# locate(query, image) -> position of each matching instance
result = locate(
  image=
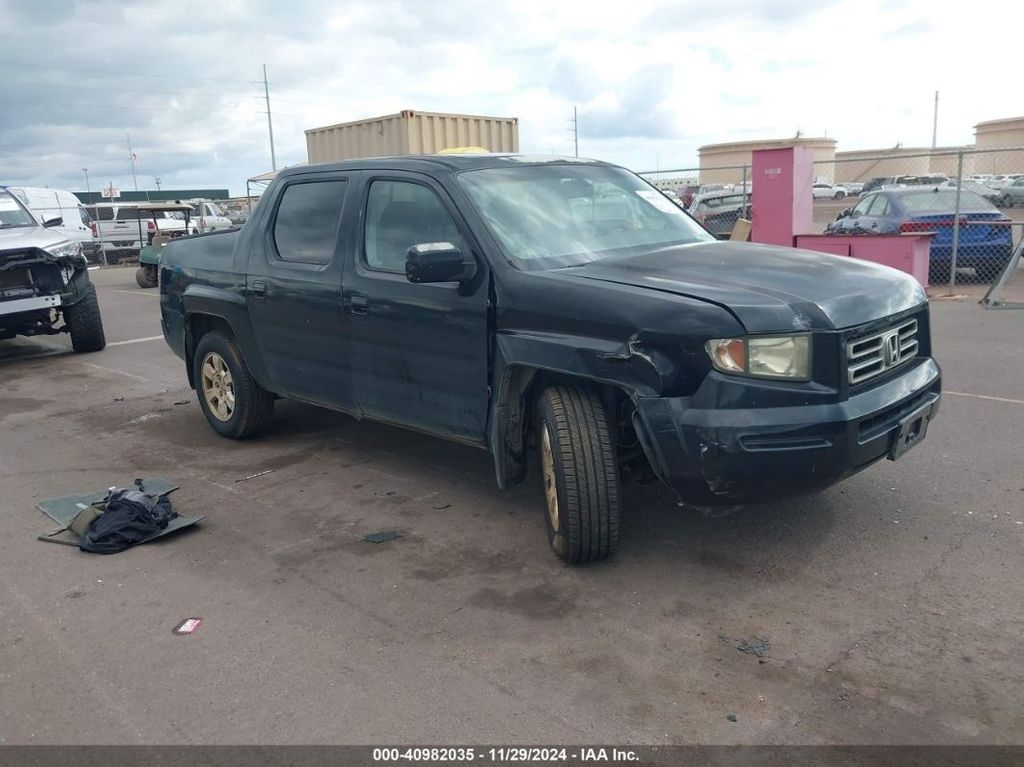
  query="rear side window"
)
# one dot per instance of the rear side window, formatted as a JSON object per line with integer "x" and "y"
{"x": 306, "y": 228}
{"x": 880, "y": 206}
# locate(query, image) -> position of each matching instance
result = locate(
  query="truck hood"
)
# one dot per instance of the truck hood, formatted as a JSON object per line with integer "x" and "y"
{"x": 767, "y": 288}
{"x": 19, "y": 237}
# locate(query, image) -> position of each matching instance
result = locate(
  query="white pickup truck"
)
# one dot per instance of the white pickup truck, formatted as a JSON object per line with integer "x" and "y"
{"x": 207, "y": 216}
{"x": 122, "y": 229}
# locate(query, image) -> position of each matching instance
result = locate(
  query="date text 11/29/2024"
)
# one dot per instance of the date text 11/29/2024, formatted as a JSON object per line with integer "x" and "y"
{"x": 505, "y": 754}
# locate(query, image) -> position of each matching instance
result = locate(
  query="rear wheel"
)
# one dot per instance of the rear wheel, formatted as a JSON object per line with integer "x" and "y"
{"x": 146, "y": 276}
{"x": 579, "y": 472}
{"x": 233, "y": 403}
{"x": 840, "y": 195}
{"x": 85, "y": 323}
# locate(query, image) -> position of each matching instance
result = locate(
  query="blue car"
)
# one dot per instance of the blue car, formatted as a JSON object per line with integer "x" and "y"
{"x": 986, "y": 241}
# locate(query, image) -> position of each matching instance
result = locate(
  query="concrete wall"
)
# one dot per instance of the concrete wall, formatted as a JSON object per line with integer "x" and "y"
{"x": 998, "y": 134}
{"x": 722, "y": 163}
{"x": 866, "y": 164}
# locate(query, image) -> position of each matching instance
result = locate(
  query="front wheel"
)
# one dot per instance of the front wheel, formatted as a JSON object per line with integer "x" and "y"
{"x": 840, "y": 195}
{"x": 85, "y": 323}
{"x": 233, "y": 403}
{"x": 146, "y": 276}
{"x": 580, "y": 475}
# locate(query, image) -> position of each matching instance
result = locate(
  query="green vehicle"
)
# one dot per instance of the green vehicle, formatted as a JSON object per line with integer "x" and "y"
{"x": 162, "y": 230}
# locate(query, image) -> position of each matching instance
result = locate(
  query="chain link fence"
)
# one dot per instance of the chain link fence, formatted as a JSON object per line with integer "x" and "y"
{"x": 113, "y": 234}
{"x": 971, "y": 201}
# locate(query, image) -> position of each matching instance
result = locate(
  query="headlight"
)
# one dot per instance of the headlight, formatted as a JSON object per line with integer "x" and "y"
{"x": 67, "y": 248}
{"x": 785, "y": 357}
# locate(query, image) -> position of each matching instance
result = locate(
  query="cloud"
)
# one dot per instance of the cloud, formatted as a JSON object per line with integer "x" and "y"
{"x": 639, "y": 111}
{"x": 653, "y": 79}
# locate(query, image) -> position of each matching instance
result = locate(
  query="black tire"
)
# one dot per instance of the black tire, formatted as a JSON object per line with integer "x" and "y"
{"x": 146, "y": 276}
{"x": 583, "y": 474}
{"x": 85, "y": 323}
{"x": 249, "y": 408}
{"x": 840, "y": 195}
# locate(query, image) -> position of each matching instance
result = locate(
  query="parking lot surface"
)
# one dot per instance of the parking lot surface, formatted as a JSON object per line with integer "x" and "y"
{"x": 886, "y": 610}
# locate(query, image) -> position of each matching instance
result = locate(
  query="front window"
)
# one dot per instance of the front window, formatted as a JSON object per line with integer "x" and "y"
{"x": 551, "y": 216}
{"x": 12, "y": 213}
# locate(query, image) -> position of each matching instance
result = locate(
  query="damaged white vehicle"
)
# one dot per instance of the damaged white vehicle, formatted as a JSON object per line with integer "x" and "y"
{"x": 44, "y": 281}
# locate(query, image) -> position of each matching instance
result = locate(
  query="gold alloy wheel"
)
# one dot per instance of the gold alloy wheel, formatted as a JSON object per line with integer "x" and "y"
{"x": 218, "y": 386}
{"x": 550, "y": 486}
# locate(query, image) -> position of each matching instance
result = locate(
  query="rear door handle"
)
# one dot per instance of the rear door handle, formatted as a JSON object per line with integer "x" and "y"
{"x": 259, "y": 289}
{"x": 358, "y": 303}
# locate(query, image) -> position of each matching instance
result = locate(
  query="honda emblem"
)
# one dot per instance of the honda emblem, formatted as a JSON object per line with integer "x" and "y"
{"x": 891, "y": 348}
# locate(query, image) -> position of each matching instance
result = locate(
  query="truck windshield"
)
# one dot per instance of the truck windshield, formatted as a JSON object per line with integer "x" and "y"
{"x": 12, "y": 213}
{"x": 558, "y": 215}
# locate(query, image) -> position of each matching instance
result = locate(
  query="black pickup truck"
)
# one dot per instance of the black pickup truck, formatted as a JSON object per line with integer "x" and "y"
{"x": 555, "y": 307}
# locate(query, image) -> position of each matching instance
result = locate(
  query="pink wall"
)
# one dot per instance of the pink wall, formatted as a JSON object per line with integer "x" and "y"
{"x": 907, "y": 252}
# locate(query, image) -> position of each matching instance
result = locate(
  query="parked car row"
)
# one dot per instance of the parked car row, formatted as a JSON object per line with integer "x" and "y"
{"x": 116, "y": 231}
{"x": 718, "y": 212}
{"x": 985, "y": 237}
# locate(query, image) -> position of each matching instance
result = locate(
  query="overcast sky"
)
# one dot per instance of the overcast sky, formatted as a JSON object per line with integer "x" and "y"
{"x": 652, "y": 80}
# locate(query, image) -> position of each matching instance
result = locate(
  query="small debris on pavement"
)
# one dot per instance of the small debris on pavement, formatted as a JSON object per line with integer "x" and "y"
{"x": 382, "y": 537}
{"x": 253, "y": 476}
{"x": 440, "y": 506}
{"x": 758, "y": 647}
{"x": 118, "y": 399}
{"x": 187, "y": 626}
{"x": 731, "y": 717}
{"x": 182, "y": 402}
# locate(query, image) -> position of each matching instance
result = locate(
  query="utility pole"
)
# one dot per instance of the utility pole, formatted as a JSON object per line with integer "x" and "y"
{"x": 88, "y": 191}
{"x": 131, "y": 154}
{"x": 270, "y": 123}
{"x": 935, "y": 122}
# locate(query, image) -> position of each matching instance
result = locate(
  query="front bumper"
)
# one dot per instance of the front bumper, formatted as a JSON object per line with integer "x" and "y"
{"x": 32, "y": 304}
{"x": 724, "y": 457}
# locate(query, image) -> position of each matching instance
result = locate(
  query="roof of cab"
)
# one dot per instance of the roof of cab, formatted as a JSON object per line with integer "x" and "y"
{"x": 433, "y": 162}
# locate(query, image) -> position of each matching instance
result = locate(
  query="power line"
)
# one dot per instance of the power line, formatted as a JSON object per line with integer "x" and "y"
{"x": 122, "y": 73}
{"x": 112, "y": 89}
{"x": 150, "y": 109}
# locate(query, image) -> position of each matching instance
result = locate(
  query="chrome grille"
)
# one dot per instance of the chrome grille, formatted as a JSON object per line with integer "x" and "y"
{"x": 878, "y": 353}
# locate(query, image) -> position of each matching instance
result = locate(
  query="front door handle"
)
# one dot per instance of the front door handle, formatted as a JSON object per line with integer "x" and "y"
{"x": 259, "y": 289}
{"x": 358, "y": 303}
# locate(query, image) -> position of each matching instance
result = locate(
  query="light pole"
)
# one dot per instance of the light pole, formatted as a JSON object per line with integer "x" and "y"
{"x": 88, "y": 191}
{"x": 157, "y": 180}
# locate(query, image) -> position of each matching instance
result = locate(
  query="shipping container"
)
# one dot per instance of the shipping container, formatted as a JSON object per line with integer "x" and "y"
{"x": 410, "y": 132}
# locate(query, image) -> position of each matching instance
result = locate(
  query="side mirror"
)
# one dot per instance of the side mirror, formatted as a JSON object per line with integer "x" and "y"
{"x": 438, "y": 262}
{"x": 52, "y": 222}
{"x": 845, "y": 213}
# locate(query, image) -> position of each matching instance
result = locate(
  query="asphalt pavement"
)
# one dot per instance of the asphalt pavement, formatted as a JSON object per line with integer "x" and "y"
{"x": 885, "y": 610}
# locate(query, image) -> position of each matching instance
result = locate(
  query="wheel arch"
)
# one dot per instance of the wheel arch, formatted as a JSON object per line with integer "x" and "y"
{"x": 514, "y": 410}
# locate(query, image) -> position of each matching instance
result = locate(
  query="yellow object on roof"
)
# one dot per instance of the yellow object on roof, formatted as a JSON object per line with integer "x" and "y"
{"x": 464, "y": 150}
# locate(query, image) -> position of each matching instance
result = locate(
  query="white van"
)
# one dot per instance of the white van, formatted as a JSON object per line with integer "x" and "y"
{"x": 47, "y": 204}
